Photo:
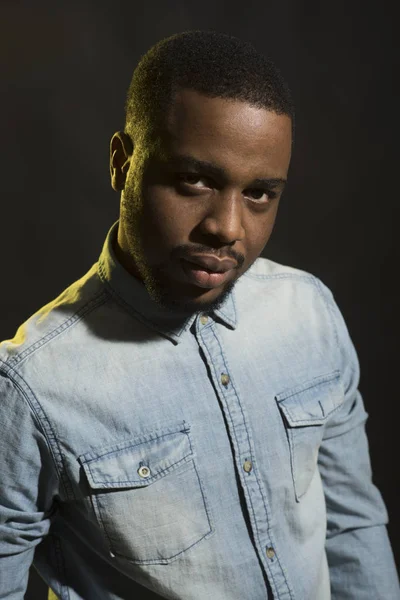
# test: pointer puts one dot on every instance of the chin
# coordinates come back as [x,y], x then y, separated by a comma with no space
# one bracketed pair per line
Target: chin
[203,302]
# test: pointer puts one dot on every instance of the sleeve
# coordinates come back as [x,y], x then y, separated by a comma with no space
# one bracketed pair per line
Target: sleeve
[360,558]
[28,483]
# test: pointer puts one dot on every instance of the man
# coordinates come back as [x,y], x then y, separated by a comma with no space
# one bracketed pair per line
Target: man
[184,421]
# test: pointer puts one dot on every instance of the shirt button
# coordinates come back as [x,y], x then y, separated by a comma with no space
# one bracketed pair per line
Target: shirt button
[247,466]
[270,552]
[225,379]
[203,319]
[144,472]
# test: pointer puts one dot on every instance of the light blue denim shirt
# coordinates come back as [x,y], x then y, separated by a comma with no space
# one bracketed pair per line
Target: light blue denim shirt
[220,456]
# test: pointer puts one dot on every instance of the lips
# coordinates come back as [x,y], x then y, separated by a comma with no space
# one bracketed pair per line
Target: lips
[208,271]
[212,263]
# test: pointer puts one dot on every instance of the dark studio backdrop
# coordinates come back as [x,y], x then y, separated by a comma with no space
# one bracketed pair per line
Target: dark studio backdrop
[65,70]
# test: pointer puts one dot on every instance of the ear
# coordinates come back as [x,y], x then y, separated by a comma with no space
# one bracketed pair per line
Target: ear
[121,150]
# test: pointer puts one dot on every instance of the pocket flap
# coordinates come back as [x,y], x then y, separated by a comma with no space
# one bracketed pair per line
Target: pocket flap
[138,462]
[312,402]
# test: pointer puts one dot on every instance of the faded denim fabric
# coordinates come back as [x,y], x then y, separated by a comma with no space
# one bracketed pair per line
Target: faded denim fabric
[222,458]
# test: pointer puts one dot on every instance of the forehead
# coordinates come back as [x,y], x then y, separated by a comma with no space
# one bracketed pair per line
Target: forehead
[231,133]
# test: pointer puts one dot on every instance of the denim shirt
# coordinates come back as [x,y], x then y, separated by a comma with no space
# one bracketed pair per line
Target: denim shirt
[223,456]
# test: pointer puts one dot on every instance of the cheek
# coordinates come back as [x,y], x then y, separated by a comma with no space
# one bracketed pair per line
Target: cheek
[165,218]
[259,232]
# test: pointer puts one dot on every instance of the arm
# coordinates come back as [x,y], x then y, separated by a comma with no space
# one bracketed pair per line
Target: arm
[27,484]
[360,558]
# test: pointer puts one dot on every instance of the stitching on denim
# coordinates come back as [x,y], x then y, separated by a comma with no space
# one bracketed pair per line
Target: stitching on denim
[98,514]
[233,296]
[329,307]
[142,439]
[117,296]
[290,438]
[231,321]
[338,435]
[173,334]
[249,445]
[190,442]
[205,499]
[164,331]
[187,325]
[308,385]
[290,441]
[330,303]
[280,399]
[64,591]
[261,276]
[96,301]
[156,477]
[148,481]
[44,425]
[292,447]
[273,542]
[251,454]
[163,561]
[37,409]
[257,479]
[317,421]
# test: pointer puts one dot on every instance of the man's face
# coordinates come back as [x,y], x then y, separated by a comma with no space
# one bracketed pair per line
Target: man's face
[199,204]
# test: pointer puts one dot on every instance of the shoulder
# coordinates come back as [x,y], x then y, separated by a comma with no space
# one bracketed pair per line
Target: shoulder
[53,320]
[299,302]
[296,298]
[268,273]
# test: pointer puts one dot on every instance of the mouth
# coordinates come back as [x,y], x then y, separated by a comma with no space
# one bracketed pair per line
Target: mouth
[204,277]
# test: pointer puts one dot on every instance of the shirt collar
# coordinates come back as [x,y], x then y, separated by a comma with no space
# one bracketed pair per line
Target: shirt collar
[131,292]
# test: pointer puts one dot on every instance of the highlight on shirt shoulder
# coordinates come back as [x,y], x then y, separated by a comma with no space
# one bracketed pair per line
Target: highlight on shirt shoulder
[265,267]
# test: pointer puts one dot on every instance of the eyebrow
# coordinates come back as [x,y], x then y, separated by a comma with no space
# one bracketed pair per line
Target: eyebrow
[189,162]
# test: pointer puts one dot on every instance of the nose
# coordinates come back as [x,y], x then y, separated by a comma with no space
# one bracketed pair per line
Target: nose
[224,218]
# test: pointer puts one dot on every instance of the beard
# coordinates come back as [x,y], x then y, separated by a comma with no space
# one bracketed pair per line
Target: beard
[172,296]
[163,294]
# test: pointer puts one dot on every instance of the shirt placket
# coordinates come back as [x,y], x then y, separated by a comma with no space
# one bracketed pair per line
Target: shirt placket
[206,332]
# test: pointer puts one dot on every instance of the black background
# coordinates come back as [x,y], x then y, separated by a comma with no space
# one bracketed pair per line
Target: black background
[65,70]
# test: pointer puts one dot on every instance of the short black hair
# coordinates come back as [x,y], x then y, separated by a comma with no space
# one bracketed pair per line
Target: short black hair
[213,63]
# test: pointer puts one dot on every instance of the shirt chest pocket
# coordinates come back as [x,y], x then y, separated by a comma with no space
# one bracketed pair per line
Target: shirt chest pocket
[147,496]
[305,410]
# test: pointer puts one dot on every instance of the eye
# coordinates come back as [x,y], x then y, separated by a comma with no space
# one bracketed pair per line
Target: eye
[261,196]
[192,180]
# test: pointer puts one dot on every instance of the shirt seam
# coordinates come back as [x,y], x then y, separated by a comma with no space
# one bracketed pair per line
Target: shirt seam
[30,399]
[35,406]
[256,276]
[172,335]
[250,444]
[61,569]
[99,299]
[328,307]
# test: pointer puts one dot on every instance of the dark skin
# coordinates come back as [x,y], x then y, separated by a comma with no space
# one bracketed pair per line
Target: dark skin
[209,183]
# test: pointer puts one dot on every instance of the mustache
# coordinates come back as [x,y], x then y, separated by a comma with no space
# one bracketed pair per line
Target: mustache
[186,250]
